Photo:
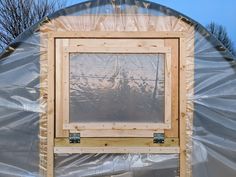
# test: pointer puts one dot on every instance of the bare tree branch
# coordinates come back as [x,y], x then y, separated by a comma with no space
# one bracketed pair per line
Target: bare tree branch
[221,34]
[18,15]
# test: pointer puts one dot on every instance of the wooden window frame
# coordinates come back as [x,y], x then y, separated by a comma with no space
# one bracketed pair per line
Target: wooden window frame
[116,125]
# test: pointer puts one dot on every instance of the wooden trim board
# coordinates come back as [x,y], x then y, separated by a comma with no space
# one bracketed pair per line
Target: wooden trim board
[117,150]
[116,133]
[174,45]
[182,108]
[116,48]
[50,110]
[118,142]
[43,103]
[116,145]
[60,44]
[109,43]
[116,126]
[120,35]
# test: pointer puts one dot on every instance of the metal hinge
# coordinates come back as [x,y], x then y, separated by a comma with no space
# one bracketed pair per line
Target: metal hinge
[74,137]
[158,138]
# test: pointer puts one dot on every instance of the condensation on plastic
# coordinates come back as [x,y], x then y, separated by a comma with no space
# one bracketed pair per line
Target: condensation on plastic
[211,145]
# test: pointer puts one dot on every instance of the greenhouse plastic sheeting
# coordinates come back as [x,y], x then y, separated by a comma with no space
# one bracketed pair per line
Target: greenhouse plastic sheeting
[116,88]
[211,145]
[124,165]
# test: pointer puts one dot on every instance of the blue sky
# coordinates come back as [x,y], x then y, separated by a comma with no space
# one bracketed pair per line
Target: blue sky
[204,11]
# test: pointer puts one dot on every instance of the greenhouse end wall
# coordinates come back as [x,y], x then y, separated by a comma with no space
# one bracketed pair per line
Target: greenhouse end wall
[211,97]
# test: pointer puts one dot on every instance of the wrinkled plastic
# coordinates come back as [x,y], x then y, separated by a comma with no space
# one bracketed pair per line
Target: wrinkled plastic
[123,165]
[211,145]
[116,88]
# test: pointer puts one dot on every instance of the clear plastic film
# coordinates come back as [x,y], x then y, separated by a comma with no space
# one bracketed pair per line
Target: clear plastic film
[211,96]
[116,87]
[122,165]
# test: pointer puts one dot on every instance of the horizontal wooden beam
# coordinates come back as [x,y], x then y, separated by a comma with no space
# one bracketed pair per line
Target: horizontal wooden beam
[116,133]
[123,50]
[113,35]
[122,142]
[116,145]
[117,150]
[116,126]
[88,42]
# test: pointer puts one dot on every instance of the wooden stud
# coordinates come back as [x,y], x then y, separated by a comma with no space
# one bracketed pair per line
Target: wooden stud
[50,116]
[60,44]
[182,109]
[168,73]
[189,58]
[66,88]
[43,113]
[174,45]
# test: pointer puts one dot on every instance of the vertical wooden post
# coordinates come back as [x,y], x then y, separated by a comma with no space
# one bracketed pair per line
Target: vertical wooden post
[182,111]
[174,45]
[50,120]
[59,85]
[43,107]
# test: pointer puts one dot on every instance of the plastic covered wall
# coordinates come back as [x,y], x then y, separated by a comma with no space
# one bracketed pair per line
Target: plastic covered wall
[211,95]
[19,111]
[123,165]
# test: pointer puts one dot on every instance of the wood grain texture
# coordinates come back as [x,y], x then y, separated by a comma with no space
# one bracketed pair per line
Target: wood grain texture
[60,44]
[174,45]
[114,35]
[43,107]
[50,110]
[116,133]
[117,150]
[116,145]
[116,126]
[183,110]
[119,142]
[118,49]
[115,46]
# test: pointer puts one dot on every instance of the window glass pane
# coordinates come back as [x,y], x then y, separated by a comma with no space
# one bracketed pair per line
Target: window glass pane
[116,87]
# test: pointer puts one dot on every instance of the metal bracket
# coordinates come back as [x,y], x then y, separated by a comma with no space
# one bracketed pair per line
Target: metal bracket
[158,138]
[74,137]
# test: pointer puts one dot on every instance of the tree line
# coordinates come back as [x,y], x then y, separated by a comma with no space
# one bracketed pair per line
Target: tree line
[18,15]
[220,32]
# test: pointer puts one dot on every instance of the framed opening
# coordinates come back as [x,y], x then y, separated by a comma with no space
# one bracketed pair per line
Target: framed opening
[111,86]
